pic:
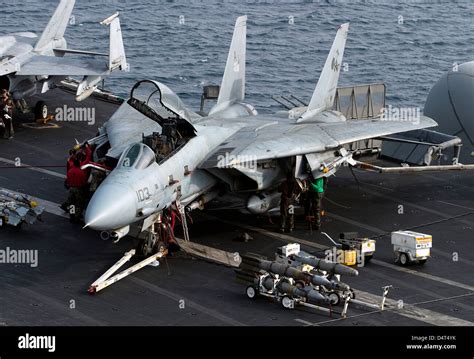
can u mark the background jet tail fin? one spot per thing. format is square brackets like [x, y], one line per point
[233, 83]
[323, 96]
[57, 24]
[117, 58]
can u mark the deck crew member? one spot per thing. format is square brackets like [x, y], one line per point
[315, 196]
[73, 155]
[288, 190]
[6, 112]
[77, 183]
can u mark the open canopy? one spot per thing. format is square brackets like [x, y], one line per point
[159, 103]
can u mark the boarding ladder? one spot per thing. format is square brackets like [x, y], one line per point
[184, 222]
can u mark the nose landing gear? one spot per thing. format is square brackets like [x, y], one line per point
[156, 237]
[154, 244]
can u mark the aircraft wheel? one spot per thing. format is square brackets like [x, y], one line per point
[287, 302]
[41, 110]
[143, 248]
[146, 246]
[158, 246]
[334, 298]
[251, 292]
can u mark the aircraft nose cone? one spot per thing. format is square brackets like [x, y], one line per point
[111, 207]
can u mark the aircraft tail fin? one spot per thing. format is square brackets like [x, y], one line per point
[323, 96]
[57, 24]
[233, 82]
[117, 58]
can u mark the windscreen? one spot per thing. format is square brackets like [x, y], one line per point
[147, 157]
[138, 156]
[131, 156]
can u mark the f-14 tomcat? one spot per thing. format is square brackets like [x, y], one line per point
[166, 155]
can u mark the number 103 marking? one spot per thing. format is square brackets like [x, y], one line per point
[143, 194]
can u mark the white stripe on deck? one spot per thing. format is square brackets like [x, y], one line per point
[33, 168]
[423, 275]
[414, 205]
[456, 205]
[417, 313]
[305, 322]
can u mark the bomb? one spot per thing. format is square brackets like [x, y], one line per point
[325, 265]
[285, 287]
[291, 272]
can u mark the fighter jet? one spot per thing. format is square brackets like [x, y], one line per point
[167, 156]
[30, 65]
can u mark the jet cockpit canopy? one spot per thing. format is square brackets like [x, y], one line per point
[156, 101]
[138, 156]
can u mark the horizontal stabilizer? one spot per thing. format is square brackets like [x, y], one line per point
[78, 52]
[63, 66]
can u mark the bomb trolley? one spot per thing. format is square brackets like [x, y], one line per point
[285, 291]
[297, 278]
[285, 281]
[332, 287]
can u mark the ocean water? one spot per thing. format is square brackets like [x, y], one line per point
[406, 44]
